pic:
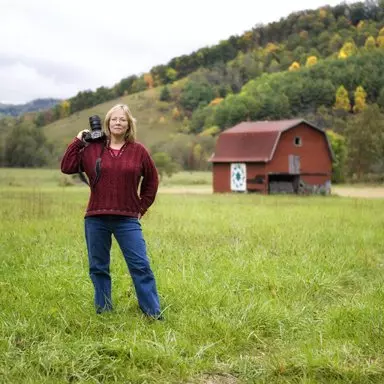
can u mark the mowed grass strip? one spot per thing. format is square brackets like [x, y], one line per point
[265, 289]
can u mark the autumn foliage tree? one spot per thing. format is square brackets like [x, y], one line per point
[148, 80]
[294, 66]
[370, 43]
[311, 60]
[347, 50]
[342, 102]
[360, 99]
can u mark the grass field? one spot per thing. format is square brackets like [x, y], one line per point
[255, 289]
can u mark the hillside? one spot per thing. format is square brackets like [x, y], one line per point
[154, 123]
[323, 65]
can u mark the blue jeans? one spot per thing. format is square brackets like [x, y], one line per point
[127, 231]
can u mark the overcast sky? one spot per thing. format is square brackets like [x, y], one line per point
[51, 48]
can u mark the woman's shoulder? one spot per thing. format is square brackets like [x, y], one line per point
[93, 146]
[140, 146]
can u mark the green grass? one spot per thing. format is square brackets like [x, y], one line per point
[255, 289]
[43, 178]
[188, 179]
[27, 177]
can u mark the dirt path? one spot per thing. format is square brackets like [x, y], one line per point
[367, 192]
[363, 192]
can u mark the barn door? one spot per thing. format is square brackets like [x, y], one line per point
[294, 164]
[238, 177]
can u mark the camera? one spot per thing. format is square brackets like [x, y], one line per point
[96, 133]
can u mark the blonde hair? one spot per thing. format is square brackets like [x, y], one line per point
[130, 135]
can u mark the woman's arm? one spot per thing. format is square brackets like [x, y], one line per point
[71, 161]
[149, 184]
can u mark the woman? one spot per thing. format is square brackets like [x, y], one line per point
[115, 205]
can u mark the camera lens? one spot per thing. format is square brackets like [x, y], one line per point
[95, 122]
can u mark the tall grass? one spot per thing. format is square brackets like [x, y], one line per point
[255, 289]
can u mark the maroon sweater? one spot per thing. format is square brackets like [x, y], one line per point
[117, 190]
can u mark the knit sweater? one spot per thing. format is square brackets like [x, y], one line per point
[118, 190]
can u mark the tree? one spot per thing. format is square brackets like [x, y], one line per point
[164, 164]
[195, 93]
[342, 102]
[311, 60]
[39, 119]
[27, 146]
[339, 150]
[380, 99]
[370, 43]
[347, 50]
[294, 66]
[138, 85]
[165, 94]
[360, 99]
[171, 75]
[365, 140]
[65, 108]
[380, 41]
[148, 80]
[197, 152]
[274, 66]
[335, 43]
[210, 131]
[125, 85]
[198, 118]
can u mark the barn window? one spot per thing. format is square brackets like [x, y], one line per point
[298, 141]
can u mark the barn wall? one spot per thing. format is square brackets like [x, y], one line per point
[315, 179]
[254, 171]
[314, 153]
[315, 163]
[221, 177]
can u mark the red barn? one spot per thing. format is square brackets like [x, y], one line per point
[286, 156]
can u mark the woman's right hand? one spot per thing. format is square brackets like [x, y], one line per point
[81, 133]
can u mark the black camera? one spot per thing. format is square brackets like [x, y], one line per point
[96, 133]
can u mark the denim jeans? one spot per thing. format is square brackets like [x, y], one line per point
[127, 231]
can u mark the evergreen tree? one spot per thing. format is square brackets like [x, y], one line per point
[165, 94]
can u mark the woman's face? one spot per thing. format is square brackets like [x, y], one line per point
[118, 124]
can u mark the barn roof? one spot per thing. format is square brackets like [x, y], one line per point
[254, 141]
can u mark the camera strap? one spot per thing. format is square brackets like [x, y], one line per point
[82, 177]
[97, 171]
[98, 166]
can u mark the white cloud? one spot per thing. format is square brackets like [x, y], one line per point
[55, 49]
[18, 79]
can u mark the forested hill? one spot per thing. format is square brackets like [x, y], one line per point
[324, 65]
[315, 34]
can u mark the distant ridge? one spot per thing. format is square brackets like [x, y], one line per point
[32, 106]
